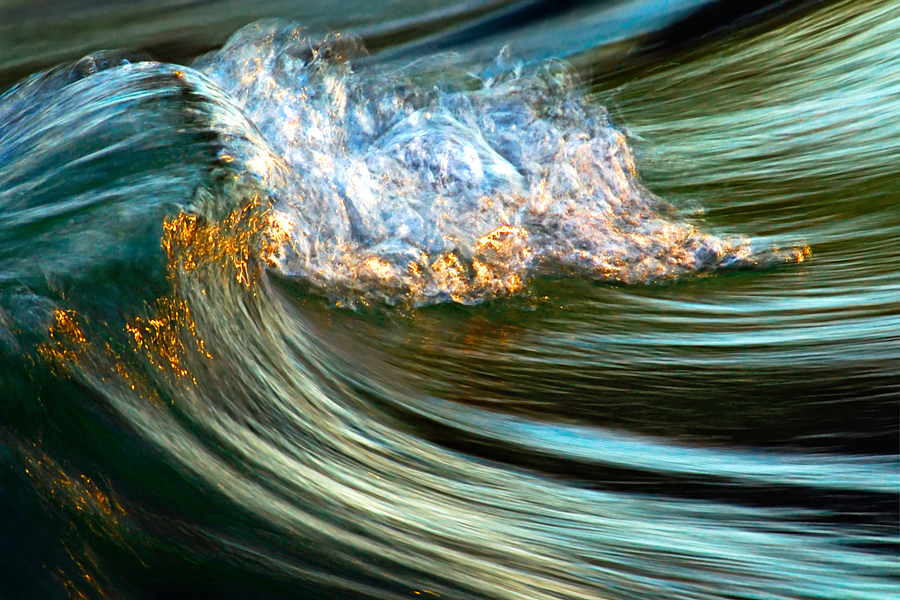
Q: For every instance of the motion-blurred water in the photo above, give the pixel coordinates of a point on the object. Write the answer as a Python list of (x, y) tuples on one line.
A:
[(489, 300)]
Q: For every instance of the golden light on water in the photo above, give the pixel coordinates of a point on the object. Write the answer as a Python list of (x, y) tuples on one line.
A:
[(161, 337), (167, 336), (66, 340), (278, 237), (381, 269), (95, 504), (190, 241)]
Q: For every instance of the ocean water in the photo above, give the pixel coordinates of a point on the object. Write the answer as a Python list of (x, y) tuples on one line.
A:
[(490, 300)]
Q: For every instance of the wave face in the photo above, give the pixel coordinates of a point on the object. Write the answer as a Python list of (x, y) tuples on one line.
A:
[(296, 321)]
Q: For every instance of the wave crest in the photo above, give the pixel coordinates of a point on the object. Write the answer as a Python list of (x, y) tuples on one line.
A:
[(431, 183)]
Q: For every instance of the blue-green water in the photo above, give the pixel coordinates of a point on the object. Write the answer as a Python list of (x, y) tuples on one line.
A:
[(583, 300)]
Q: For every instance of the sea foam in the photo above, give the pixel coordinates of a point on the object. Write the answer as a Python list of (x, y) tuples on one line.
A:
[(432, 181)]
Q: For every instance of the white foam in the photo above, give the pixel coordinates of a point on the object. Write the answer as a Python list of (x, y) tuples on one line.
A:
[(431, 183)]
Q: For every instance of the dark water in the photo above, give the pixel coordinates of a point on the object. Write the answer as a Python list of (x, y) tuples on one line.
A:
[(490, 300)]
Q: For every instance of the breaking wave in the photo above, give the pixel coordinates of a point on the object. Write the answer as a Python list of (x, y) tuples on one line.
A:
[(492, 418)]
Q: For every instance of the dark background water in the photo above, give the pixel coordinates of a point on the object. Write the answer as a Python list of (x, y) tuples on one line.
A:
[(37, 35)]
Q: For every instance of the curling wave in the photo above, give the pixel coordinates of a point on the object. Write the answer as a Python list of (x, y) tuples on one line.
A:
[(180, 393)]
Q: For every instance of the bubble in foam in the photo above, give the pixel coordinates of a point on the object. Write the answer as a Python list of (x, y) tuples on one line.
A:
[(431, 183)]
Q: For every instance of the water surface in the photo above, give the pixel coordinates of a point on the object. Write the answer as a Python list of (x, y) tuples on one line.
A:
[(483, 301)]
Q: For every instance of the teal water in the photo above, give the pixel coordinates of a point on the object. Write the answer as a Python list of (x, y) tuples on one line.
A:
[(596, 300)]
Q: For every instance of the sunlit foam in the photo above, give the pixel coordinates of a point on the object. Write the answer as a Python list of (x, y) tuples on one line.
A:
[(418, 191)]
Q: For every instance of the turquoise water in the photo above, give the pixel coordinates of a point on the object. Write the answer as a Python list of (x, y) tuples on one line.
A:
[(482, 301)]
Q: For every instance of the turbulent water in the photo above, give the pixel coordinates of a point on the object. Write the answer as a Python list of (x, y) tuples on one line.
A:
[(457, 317)]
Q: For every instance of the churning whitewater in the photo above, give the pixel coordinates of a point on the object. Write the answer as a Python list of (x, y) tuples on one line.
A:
[(457, 189)]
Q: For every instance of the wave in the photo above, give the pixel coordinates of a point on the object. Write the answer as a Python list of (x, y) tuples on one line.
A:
[(178, 245)]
